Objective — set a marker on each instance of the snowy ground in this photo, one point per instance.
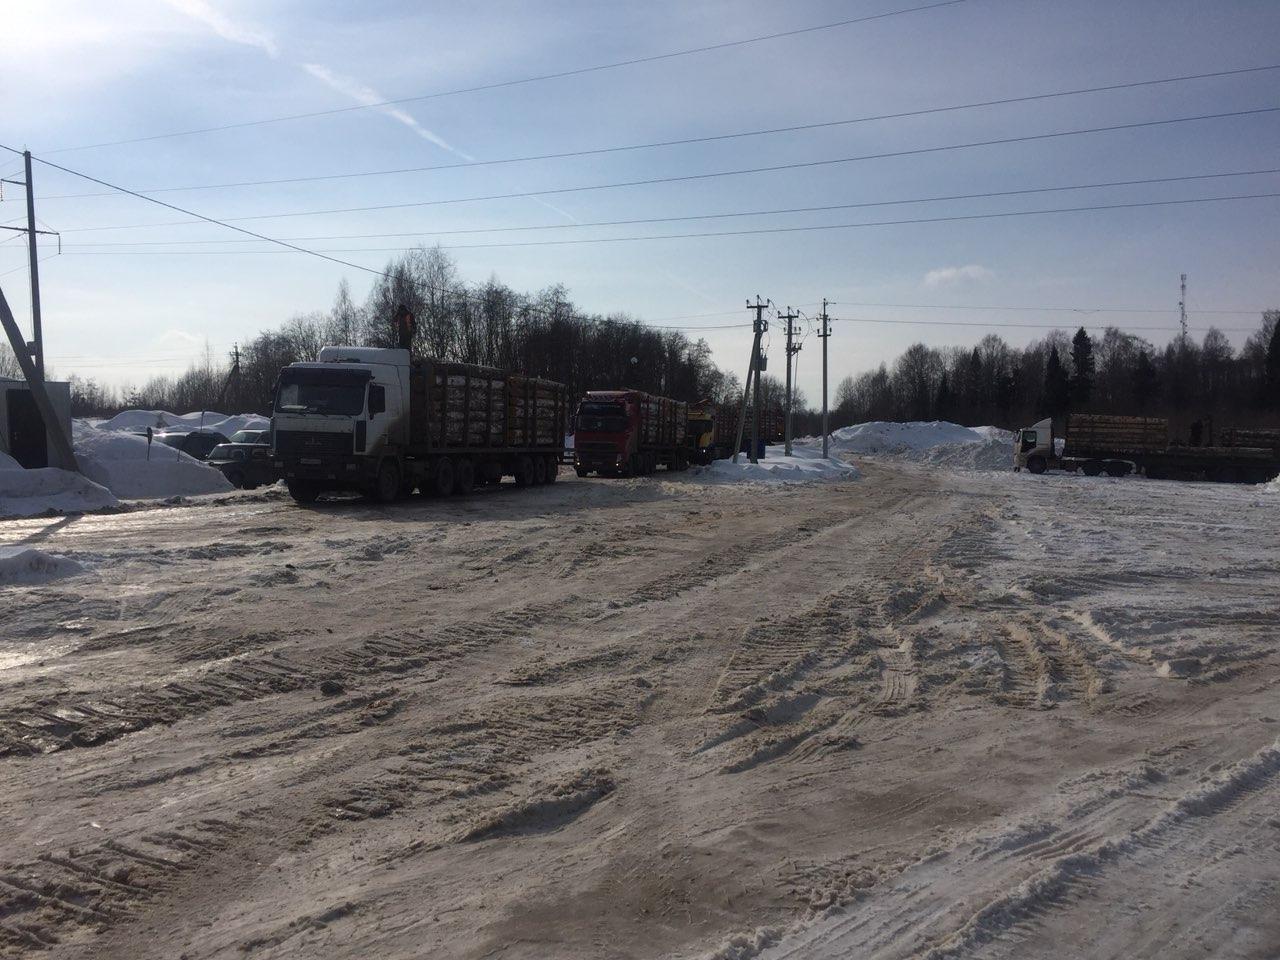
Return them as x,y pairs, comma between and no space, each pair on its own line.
929,713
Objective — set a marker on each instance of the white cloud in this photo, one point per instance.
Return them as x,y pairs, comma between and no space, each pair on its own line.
952,276
225,27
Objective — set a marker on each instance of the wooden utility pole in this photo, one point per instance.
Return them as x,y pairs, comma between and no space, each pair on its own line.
789,316
824,334
760,325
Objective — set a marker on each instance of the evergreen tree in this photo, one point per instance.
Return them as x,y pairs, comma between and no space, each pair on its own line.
1146,383
1082,368
1272,395
944,404
1057,388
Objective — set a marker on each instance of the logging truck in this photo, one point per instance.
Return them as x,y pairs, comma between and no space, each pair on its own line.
382,423
1118,446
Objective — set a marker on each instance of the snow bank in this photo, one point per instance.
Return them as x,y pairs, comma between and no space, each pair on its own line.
936,441
26,493
28,566
119,462
805,466
163,419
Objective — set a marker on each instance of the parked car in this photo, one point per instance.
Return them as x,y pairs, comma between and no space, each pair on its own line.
194,443
245,459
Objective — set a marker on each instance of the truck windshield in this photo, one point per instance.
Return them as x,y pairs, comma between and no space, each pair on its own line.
597,416
312,391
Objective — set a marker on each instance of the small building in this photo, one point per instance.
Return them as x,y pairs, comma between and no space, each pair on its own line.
22,430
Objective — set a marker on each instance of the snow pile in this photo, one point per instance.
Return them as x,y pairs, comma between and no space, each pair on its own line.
28,566
1273,486
26,493
164,420
936,441
118,461
805,466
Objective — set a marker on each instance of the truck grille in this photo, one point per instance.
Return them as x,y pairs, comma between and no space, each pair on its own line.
300,443
596,448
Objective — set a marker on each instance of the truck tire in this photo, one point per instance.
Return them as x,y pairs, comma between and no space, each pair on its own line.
1037,464
1117,468
1092,468
302,491
524,471
386,489
464,477
581,471
539,471
553,468
443,477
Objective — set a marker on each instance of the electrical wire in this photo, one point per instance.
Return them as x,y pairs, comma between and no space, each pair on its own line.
709,216
683,178
795,128
956,218
578,71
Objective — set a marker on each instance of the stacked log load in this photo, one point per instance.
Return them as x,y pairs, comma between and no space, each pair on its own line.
536,412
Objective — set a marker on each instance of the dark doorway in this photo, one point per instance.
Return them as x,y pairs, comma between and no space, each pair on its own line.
28,441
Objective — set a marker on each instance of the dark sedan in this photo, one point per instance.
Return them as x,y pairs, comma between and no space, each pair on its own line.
245,459
194,443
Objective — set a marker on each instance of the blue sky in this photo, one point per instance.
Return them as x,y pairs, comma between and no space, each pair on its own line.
83,73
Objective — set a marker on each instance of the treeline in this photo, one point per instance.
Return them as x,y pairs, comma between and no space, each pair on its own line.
541,334
1117,372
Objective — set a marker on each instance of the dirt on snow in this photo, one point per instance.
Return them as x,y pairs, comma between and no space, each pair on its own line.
923,713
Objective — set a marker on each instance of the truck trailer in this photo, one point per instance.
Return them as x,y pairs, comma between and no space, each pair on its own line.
1118,446
625,433
382,423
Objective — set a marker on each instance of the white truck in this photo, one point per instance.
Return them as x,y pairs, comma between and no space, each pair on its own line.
1118,446
380,422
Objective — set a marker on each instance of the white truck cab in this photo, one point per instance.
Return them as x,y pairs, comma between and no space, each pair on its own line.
1034,449
336,420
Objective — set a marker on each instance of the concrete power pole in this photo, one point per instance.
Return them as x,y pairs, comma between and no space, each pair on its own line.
63,455
789,316
35,270
753,370
824,334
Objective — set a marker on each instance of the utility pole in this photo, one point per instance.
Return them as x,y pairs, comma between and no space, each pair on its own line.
760,325
35,269
824,334
64,457
789,316
1182,308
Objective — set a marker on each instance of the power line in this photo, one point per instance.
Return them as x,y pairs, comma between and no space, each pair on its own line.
711,216
578,71
685,236
942,306
806,164
796,128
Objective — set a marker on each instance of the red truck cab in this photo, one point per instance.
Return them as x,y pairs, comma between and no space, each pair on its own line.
628,432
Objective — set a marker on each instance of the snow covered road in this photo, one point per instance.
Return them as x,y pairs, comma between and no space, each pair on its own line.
922,713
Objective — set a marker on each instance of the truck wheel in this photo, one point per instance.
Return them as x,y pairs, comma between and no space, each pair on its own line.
539,471
524,471
387,487
581,471
444,478
1117,468
464,477
302,491
1037,464
1092,468
553,468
